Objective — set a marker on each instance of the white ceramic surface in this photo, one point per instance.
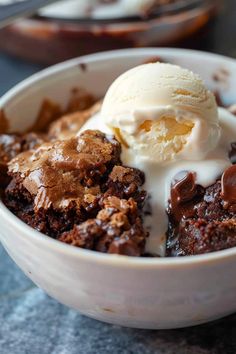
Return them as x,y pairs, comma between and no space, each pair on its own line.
135,292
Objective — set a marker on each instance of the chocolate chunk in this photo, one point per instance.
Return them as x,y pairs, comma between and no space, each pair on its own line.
183,187
183,190
228,185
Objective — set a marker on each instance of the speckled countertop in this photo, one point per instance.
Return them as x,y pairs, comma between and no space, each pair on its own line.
33,323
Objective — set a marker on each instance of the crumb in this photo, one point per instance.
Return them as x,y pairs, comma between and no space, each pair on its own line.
83,66
221,75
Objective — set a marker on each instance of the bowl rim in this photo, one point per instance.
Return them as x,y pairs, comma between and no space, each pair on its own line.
6,216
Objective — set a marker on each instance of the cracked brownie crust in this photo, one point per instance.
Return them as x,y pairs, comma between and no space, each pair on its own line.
77,191
11,145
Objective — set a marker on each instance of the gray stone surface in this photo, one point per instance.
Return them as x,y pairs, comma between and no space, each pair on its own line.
33,323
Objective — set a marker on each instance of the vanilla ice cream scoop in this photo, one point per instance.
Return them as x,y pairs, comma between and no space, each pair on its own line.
162,112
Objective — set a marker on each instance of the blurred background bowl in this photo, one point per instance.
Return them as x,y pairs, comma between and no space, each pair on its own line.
49,40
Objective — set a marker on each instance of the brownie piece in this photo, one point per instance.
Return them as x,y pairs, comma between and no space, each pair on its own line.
49,112
125,182
49,211
200,236
78,186
66,171
11,145
204,221
69,124
117,228
80,100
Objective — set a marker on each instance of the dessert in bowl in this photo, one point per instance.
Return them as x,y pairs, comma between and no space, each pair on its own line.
149,167
71,28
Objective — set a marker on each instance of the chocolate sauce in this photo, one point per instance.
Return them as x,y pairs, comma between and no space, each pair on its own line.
183,190
228,185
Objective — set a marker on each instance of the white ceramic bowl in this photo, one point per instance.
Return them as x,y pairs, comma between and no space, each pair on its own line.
135,292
